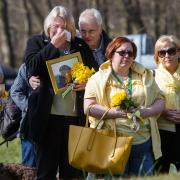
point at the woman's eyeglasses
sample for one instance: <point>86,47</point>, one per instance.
<point>124,53</point>
<point>170,51</point>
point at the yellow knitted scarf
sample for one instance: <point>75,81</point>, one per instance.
<point>170,85</point>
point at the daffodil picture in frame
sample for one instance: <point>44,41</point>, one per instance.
<point>60,71</point>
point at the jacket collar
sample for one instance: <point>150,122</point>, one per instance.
<point>46,39</point>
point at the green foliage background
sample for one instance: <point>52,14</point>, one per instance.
<point>10,153</point>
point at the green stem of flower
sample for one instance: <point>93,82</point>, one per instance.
<point>67,91</point>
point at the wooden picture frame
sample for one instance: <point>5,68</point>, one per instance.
<point>59,70</point>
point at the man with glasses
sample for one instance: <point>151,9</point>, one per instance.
<point>90,26</point>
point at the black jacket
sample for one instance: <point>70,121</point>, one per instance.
<point>106,40</point>
<point>38,51</point>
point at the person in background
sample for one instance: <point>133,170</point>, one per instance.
<point>91,30</point>
<point>122,73</point>
<point>19,92</point>
<point>50,115</point>
<point>167,76</point>
<point>7,76</point>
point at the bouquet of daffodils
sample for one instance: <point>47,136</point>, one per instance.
<point>3,98</point>
<point>121,99</point>
<point>5,94</point>
<point>80,74</point>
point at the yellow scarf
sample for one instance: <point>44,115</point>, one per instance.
<point>170,85</point>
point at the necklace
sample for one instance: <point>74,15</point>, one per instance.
<point>129,89</point>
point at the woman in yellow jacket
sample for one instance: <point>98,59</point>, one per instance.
<point>167,76</point>
<point>122,74</point>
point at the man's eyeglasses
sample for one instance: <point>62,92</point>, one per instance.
<point>124,53</point>
<point>170,51</point>
<point>92,31</point>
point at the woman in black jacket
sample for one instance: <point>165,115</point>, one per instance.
<point>50,115</point>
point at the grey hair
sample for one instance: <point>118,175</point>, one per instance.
<point>92,12</point>
<point>165,38</point>
<point>63,13</point>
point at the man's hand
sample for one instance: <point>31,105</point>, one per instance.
<point>34,82</point>
<point>172,115</point>
<point>79,87</point>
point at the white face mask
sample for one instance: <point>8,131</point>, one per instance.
<point>68,35</point>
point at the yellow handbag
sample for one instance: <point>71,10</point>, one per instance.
<point>98,151</point>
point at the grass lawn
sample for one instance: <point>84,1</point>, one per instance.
<point>171,176</point>
<point>12,153</point>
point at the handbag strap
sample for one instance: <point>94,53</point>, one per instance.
<point>93,134</point>
<point>115,134</point>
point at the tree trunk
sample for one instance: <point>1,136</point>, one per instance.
<point>76,10</point>
<point>156,19</point>
<point>39,16</point>
<point>9,59</point>
<point>105,15</point>
<point>49,4</point>
<point>134,13</point>
<point>28,27</point>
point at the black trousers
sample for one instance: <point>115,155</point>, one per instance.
<point>170,151</point>
<point>52,153</point>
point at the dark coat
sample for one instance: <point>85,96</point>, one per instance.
<point>106,40</point>
<point>38,51</point>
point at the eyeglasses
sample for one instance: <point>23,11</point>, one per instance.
<point>124,53</point>
<point>170,51</point>
<point>92,31</point>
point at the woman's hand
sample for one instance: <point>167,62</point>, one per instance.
<point>34,82</point>
<point>97,110</point>
<point>172,115</point>
<point>59,39</point>
<point>156,108</point>
<point>144,112</point>
<point>79,87</point>
<point>117,112</point>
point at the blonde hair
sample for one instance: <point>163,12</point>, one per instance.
<point>165,38</point>
<point>63,13</point>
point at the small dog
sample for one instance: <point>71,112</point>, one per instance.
<point>16,172</point>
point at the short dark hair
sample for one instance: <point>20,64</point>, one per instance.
<point>64,68</point>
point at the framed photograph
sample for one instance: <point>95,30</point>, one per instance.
<point>60,70</point>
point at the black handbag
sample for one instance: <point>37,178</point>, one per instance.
<point>10,120</point>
